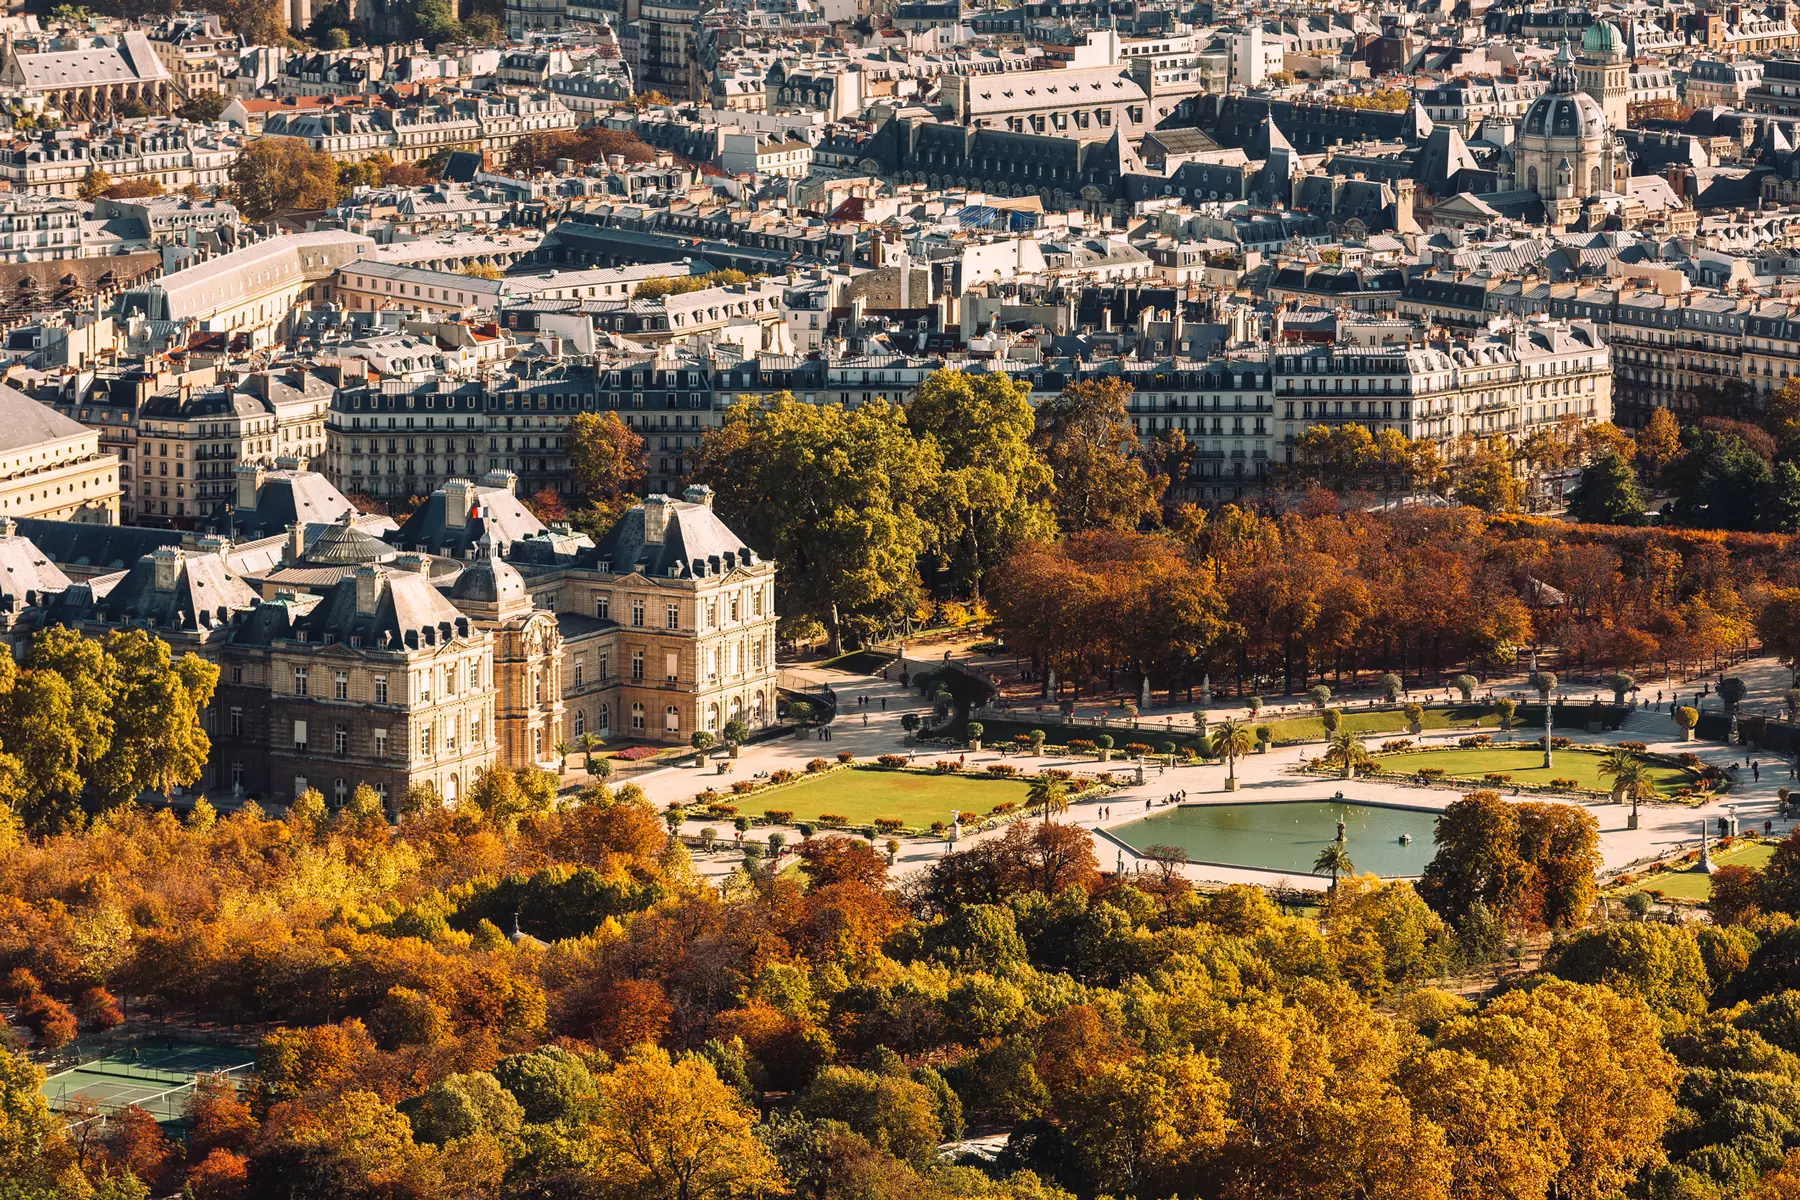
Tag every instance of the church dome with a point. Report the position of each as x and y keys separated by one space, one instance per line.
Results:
x=490 y=579
x=1564 y=115
x=1602 y=37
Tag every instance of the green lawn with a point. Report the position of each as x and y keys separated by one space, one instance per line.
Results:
x=1691 y=885
x=1525 y=765
x=1391 y=720
x=862 y=796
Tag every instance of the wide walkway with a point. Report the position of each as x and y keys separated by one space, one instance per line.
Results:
x=1664 y=828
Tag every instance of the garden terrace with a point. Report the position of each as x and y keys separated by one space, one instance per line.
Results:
x=1523 y=763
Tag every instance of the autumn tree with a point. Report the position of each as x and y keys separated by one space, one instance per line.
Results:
x=993 y=495
x=670 y=1130
x=1087 y=438
x=276 y=175
x=1483 y=477
x=839 y=497
x=606 y=459
x=1658 y=445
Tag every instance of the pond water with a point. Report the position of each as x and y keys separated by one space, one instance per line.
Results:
x=1287 y=835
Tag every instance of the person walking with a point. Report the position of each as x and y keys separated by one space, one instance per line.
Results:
x=1756 y=772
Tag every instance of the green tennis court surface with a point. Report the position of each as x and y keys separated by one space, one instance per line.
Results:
x=154 y=1075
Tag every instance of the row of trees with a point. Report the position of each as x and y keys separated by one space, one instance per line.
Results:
x=819 y=1035
x=1282 y=601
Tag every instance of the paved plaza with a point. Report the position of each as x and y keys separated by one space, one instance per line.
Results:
x=869 y=730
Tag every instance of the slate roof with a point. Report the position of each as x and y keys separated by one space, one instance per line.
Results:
x=500 y=511
x=25 y=423
x=694 y=542
x=77 y=544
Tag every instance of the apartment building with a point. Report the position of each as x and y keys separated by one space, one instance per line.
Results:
x=488 y=124
x=175 y=155
x=1506 y=383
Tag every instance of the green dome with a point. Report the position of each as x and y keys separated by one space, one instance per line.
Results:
x=1602 y=37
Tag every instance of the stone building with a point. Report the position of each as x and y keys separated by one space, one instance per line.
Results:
x=88 y=77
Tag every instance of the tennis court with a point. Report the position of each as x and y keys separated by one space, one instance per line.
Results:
x=156 y=1076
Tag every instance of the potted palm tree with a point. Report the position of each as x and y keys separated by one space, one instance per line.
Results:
x=736 y=734
x=562 y=757
x=1334 y=860
x=1346 y=750
x=586 y=743
x=1631 y=777
x=1230 y=739
x=1047 y=795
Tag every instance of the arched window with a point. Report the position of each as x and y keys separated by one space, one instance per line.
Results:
x=451 y=788
x=580 y=725
x=1531 y=179
x=712 y=717
x=757 y=709
x=1595 y=190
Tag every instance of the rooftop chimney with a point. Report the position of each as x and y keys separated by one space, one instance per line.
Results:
x=249 y=482
x=459 y=499
x=656 y=518
x=368 y=589
x=296 y=543
x=698 y=493
x=167 y=560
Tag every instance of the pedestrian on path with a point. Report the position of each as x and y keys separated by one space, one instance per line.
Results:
x=1756 y=772
x=884 y=704
x=865 y=720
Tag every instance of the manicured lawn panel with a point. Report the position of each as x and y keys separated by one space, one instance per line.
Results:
x=1525 y=765
x=862 y=796
x=1383 y=721
x=1692 y=885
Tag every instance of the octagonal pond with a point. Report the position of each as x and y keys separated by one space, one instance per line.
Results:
x=1287 y=835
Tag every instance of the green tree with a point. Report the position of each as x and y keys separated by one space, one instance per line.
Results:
x=430 y=21
x=1231 y=738
x=1346 y=751
x=1720 y=482
x=891 y=1111
x=1048 y=795
x=1658 y=964
x=995 y=491
x=1607 y=493
x=838 y=496
x=1086 y=437
x=1780 y=511
x=1477 y=859
x=276 y=175
x=202 y=106
x=1334 y=860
